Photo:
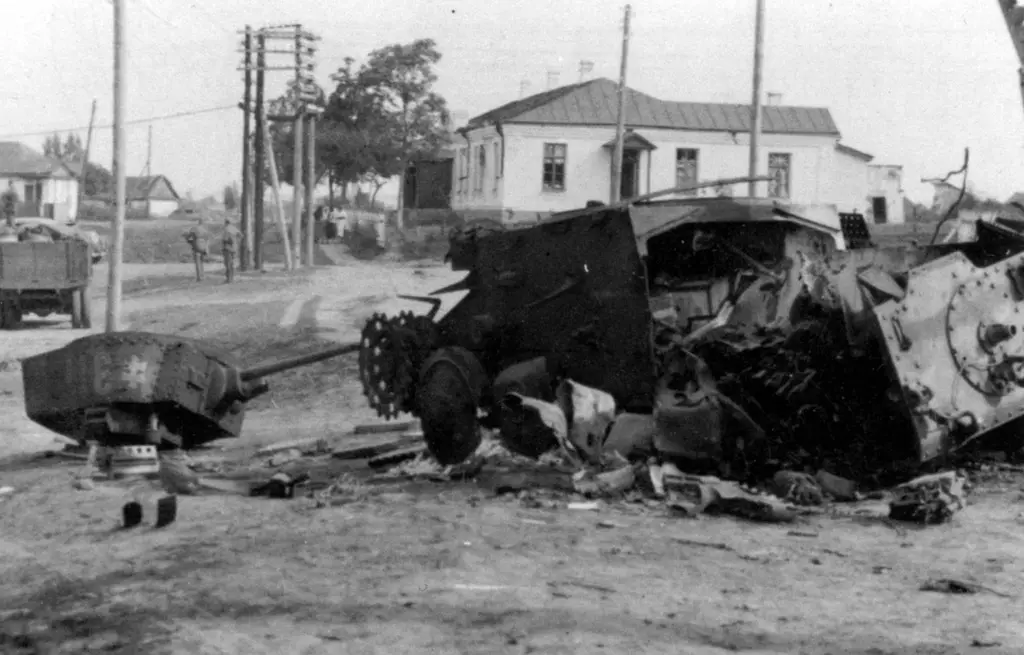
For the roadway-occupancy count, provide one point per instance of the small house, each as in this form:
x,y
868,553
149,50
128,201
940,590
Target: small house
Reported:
x,y
46,187
151,197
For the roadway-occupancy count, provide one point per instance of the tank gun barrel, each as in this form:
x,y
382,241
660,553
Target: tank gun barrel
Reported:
x,y
256,372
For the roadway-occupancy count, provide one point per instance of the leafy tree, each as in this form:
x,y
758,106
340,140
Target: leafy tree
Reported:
x,y
97,180
400,79
380,116
73,149
70,149
282,135
52,146
230,201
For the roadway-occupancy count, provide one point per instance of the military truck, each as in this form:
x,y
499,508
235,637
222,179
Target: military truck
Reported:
x,y
43,278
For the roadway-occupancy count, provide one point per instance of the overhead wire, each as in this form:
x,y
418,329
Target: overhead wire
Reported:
x,y
137,121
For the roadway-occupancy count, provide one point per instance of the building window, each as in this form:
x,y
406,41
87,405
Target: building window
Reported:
x,y
554,166
686,168
497,165
778,170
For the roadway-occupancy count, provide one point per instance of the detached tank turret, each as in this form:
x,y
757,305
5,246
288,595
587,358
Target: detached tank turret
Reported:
x,y
137,387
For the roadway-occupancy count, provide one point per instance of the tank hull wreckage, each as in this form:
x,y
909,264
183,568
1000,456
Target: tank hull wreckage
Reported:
x,y
751,330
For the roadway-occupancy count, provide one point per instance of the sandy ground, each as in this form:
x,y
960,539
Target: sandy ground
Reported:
x,y
449,567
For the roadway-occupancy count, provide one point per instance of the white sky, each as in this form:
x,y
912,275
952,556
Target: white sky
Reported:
x,y
912,82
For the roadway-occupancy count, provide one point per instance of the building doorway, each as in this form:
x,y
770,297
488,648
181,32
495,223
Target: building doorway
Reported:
x,y
879,209
630,174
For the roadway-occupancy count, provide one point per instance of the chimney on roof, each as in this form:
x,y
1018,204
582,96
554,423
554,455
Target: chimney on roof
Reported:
x,y
524,88
552,79
774,98
585,69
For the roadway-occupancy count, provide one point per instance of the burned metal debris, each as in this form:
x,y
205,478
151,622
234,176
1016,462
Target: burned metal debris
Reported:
x,y
741,334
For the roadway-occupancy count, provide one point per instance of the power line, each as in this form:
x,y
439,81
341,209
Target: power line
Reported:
x,y
138,121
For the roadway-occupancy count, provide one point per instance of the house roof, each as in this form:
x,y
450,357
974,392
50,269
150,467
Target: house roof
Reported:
x,y
18,159
139,188
594,102
853,152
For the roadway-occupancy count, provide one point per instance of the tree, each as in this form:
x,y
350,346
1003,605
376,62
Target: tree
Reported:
x,y
52,146
230,202
282,135
399,79
70,149
73,150
97,180
380,116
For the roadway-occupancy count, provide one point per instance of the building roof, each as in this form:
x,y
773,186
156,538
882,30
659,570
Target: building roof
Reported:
x,y
139,188
18,159
853,152
594,102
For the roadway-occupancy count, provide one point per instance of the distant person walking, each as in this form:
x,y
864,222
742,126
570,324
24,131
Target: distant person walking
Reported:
x,y
199,240
229,246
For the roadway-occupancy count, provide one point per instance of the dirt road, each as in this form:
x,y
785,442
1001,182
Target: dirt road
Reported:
x,y
449,567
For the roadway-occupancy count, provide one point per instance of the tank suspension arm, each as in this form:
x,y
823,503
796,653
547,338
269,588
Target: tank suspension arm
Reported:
x,y
257,372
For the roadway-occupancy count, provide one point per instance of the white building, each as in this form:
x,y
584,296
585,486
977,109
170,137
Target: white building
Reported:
x,y
45,187
552,152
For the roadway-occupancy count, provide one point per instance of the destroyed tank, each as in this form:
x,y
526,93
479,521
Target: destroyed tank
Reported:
x,y
125,388
752,330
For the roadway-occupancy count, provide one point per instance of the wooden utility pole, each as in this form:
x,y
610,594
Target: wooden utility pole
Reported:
x,y
275,184
620,127
85,161
246,201
755,105
259,158
297,189
117,247
297,153
310,184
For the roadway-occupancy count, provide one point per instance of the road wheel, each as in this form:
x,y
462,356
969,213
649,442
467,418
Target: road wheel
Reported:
x,y
450,385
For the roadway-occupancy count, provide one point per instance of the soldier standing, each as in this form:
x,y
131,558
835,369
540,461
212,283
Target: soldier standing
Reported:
x,y
229,245
199,240
9,231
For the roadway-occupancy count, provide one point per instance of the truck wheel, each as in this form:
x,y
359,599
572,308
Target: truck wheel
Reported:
x,y
85,304
76,309
10,313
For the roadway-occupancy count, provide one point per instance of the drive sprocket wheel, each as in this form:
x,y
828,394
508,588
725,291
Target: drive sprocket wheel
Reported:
x,y
380,366
451,384
391,352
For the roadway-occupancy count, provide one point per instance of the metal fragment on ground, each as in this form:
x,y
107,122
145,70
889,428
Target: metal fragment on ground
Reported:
x,y
929,499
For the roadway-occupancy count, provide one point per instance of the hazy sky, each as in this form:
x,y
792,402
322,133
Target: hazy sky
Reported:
x,y
912,82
